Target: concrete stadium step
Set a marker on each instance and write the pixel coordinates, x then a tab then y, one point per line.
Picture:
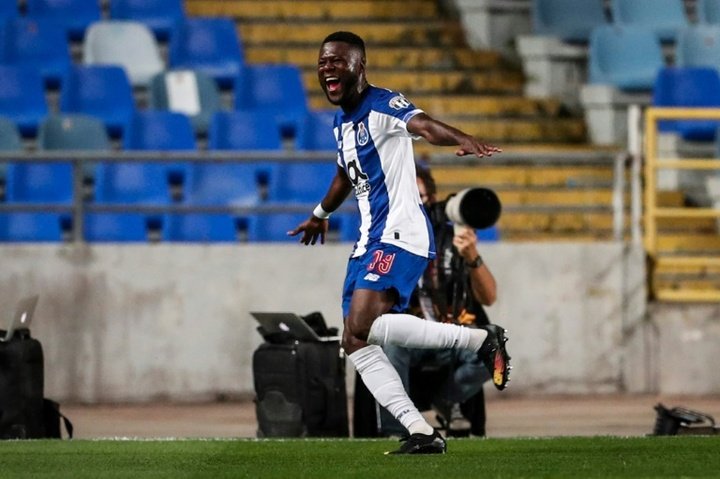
428	81
314	9
435	33
536	175
701	225
408	57
540	130
689	243
587	197
464	105
555	222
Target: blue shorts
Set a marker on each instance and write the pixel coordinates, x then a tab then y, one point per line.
383	267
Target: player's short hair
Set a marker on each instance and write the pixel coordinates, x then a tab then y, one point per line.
347	37
423	172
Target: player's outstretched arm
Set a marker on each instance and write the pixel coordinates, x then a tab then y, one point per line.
441	134
317	225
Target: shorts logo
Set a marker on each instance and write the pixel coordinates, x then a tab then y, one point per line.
381	262
371	277
362	135
398	102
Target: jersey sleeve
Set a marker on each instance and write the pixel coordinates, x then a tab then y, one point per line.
396	111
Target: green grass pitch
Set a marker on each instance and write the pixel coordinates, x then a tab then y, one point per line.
571	457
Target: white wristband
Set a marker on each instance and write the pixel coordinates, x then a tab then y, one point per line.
319	212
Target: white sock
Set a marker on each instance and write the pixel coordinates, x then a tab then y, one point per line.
412	332
383	381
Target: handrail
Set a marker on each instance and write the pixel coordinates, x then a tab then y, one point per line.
654	212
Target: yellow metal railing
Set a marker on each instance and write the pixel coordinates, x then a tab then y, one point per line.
702	261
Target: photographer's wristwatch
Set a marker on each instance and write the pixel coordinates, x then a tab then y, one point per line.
476	263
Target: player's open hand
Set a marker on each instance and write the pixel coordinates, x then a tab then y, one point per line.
312	229
473	146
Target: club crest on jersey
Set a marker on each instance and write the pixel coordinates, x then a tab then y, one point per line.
362	135
398	102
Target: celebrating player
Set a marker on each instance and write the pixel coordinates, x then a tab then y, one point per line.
374	129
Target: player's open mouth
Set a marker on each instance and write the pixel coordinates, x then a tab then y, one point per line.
332	83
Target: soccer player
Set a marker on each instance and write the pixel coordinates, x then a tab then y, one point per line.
374	129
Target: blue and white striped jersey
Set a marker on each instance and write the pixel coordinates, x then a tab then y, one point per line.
375	149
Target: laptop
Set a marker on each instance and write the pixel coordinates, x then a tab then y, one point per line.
22	318
288	323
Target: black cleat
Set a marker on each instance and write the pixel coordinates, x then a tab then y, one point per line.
422	444
494	356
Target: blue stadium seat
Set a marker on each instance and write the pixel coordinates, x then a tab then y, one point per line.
39	44
698	46
488	235
200	227
210	45
274	227
162	131
664	17
315	132
100	91
301	181
22	97
71	132
160	16
708	11
125	43
569	20
132	183
116	227
348	225
10	139
32	227
690	87
627	58
8	11
193	93
39	182
236	183
277	89
73	15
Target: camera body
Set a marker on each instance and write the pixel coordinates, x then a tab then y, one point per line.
477	208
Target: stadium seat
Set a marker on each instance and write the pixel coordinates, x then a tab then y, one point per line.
664	17
132	183
315	132
274	227
100	91
10	139
698	46
239	182
708	11
193	93
32	227
162	131
277	89
72	132
488	235
210	45
73	15
39	44
69	132
128	44
39	182
116	227
200	227
690	87
347	224
8	11
22	97
569	20
160	16
301	181
627	58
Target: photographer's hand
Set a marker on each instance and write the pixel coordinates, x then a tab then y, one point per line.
482	281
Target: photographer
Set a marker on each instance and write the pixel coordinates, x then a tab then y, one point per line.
453	289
